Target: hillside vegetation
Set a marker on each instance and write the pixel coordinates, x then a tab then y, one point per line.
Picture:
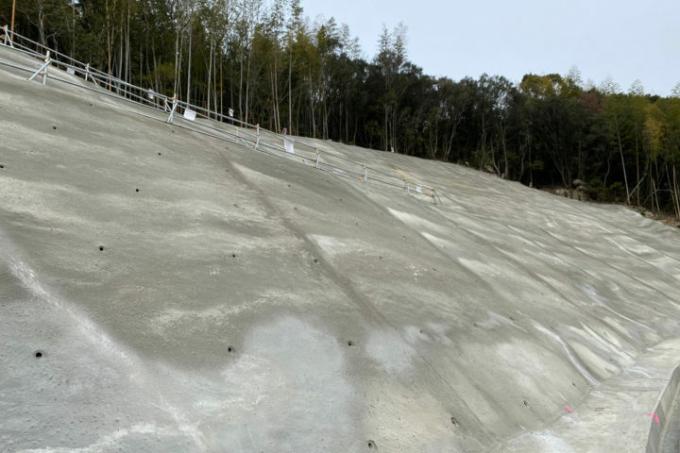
273	66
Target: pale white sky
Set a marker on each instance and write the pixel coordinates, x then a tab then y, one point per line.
624	39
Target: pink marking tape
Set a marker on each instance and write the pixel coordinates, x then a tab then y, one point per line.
654	416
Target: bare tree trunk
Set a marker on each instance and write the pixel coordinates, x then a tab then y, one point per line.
637	169
623	161
120	49
673	188
247	100
109	39
221	83
676	193
177	62
386	126
73	28
271	79
188	100
290	84
41	22
128	66
210	63
240	86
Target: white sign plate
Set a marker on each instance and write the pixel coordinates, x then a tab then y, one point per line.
289	146
189	115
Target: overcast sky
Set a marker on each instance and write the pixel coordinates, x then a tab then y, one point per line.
624	39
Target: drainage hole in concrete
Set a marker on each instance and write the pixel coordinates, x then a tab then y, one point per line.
38	354
454	422
372	444
230	349
101	248
350	343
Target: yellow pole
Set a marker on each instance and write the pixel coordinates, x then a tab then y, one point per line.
14	8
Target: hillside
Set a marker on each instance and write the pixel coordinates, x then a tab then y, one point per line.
167	290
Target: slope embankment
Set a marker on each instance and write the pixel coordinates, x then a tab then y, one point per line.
189	293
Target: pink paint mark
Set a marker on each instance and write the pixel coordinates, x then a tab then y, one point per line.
654	416
568	409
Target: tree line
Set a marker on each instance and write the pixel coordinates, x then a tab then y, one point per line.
273	66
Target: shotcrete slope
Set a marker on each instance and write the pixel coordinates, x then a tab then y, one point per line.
188	294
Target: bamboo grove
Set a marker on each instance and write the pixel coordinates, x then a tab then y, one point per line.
275	67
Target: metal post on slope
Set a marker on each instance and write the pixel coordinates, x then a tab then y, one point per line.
87	72
48	60
318	156
5	34
365	174
257	141
42	69
174	107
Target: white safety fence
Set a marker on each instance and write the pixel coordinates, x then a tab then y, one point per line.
198	119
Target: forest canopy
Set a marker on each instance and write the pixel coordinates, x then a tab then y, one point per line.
275	67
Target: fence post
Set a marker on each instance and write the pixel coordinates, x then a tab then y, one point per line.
42	69
87	72
257	142
5	34
174	107
365	174
47	65
318	156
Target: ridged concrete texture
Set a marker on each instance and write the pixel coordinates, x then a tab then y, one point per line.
161	290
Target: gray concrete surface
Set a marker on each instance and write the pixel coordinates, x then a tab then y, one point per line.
246	303
664	435
671	441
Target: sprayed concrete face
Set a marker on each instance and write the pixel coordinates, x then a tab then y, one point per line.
161	290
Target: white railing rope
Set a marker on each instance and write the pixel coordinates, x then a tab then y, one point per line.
261	139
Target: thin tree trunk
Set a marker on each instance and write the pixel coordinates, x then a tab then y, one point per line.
676	193
189	61
290	84
623	161
247	99
210	64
